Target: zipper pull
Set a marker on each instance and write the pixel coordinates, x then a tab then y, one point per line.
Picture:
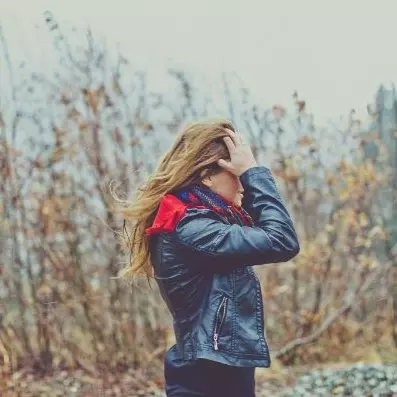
216	341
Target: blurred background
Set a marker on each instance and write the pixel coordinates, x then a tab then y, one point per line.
93	93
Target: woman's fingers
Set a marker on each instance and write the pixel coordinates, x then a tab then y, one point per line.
232	135
229	131
224	164
241	156
237	138
229	144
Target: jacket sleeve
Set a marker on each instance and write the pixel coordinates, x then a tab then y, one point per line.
273	239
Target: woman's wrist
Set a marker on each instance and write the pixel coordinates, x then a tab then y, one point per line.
246	168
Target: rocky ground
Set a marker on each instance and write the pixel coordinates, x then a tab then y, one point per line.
359	380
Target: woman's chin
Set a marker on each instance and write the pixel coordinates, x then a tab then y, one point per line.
238	202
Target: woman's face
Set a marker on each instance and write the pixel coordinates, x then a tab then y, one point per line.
227	185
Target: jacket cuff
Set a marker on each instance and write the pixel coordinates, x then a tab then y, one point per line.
254	171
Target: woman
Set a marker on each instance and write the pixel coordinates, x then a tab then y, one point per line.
206	216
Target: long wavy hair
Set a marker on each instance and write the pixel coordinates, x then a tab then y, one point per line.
193	156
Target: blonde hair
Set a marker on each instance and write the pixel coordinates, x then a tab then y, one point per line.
197	148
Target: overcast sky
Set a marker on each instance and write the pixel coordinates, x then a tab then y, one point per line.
335	53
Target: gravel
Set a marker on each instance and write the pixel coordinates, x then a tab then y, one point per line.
359	380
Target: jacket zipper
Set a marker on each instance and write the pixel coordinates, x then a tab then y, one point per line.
220	316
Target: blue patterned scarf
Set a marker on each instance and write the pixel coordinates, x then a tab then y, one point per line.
201	195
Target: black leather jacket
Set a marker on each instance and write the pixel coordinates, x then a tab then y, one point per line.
204	270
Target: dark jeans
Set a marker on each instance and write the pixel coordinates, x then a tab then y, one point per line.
205	378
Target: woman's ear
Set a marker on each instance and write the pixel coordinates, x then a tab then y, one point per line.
206	180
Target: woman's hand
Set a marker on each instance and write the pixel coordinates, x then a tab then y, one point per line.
241	156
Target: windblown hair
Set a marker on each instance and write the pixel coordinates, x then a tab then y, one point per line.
195	153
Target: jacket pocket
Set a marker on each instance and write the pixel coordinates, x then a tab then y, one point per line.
219	320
